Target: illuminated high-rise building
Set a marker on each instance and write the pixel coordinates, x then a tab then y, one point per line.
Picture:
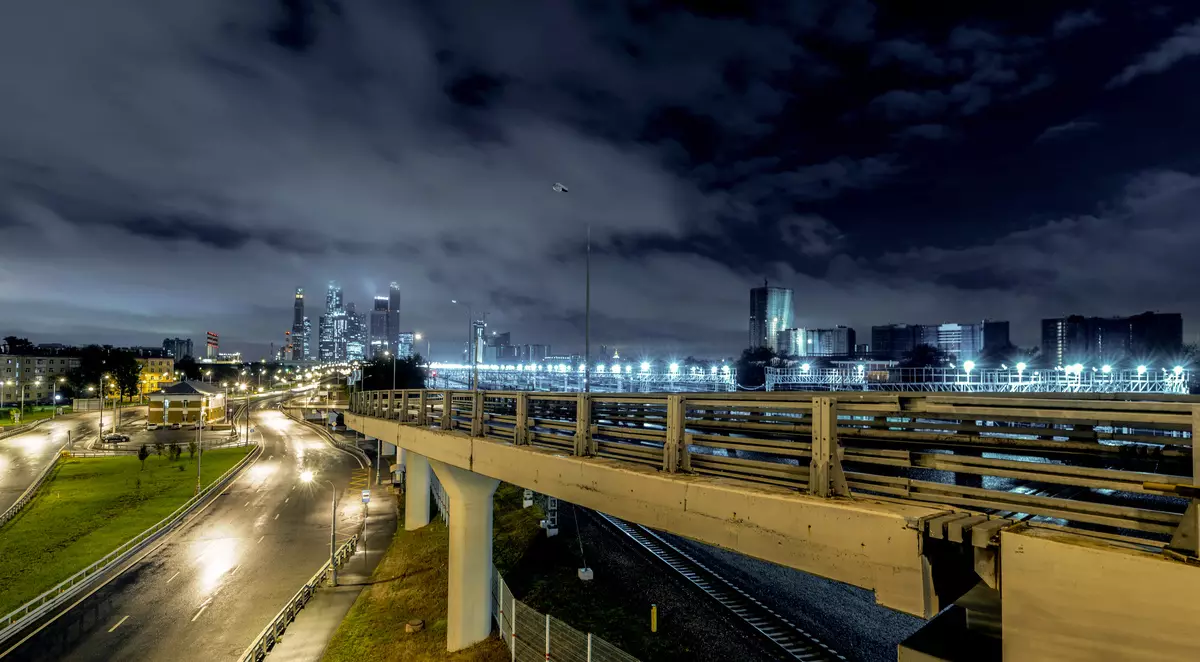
770	313
379	339
298	340
393	318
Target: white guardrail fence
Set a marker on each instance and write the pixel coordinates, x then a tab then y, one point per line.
38	607
270	635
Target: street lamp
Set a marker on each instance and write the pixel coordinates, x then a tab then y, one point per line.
587	302
308	477
418	338
471	349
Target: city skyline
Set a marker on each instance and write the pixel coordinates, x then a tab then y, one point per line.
993	163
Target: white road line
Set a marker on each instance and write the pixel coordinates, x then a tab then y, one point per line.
118	624
259	540
173	577
247	504
276	515
235	568
287	499
199	612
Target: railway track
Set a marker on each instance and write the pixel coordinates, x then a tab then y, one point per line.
792	640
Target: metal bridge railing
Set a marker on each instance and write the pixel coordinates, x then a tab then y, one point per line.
1118	463
1025	380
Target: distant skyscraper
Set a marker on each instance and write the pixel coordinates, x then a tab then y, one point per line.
212	345
178	348
393	317
770	313
1141	338
379	339
404	344
966	340
838	341
333	297
308	346
299	340
356	334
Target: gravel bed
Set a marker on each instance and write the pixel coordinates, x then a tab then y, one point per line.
844	617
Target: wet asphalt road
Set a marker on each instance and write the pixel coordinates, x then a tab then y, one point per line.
213	585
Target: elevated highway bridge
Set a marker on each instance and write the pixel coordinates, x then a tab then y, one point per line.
1024	526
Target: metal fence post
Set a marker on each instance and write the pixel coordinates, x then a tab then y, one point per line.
675	433
547	636
477	414
521	432
447	411
513	629
825	476
589	648
1186	539
583	424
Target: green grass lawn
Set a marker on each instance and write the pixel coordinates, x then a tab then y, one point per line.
29	416
89	507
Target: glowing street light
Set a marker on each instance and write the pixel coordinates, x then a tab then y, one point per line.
308	477
1178	370
1141	370
1106	368
804	367
674	368
645	366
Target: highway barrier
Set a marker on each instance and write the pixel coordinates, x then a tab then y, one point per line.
20	429
265	642
1074	461
26	615
27	495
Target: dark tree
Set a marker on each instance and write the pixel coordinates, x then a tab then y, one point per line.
751	366
143	453
923	356
125	369
192	448
186	368
18	345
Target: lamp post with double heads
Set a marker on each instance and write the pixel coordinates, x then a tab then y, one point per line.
471	349
308	477
587	303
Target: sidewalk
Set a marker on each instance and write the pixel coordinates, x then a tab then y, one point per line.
308	636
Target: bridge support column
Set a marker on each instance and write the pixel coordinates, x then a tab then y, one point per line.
416	491
469	599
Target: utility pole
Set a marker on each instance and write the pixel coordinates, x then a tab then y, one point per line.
587	304
199	446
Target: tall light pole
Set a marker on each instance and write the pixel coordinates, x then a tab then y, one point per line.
200	446
471	349
418	338
587	304
307	476
54	404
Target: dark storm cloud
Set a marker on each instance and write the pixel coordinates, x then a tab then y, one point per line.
1067	129
257	147
1074	21
1183	44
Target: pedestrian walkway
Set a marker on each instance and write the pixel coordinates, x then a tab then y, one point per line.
309	635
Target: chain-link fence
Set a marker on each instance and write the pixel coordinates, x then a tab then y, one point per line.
537	636
532	636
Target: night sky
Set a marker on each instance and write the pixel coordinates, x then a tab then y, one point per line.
169	167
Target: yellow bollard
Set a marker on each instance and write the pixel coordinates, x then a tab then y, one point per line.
654	618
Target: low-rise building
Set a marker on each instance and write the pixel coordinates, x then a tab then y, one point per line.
38	376
186	402
155	374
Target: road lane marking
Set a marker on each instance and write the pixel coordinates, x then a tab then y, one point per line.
199	612
235	569
118	624
287	499
259	540
276	515
247	504
173	577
